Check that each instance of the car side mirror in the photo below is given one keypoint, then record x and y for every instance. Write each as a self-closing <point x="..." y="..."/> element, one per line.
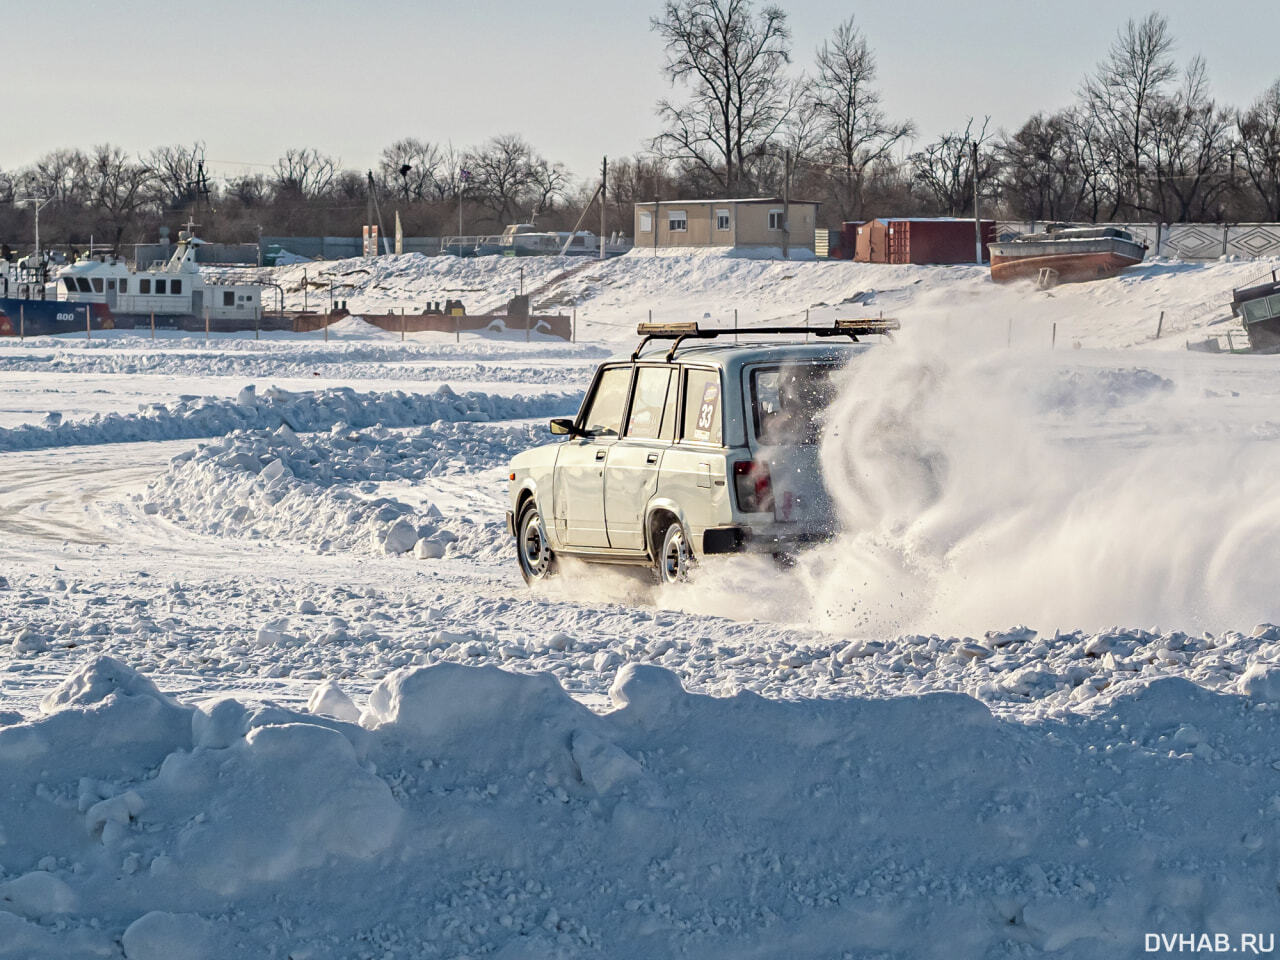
<point x="563" y="427"/>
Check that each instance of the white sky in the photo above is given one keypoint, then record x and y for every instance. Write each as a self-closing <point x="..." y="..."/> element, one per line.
<point x="577" y="79"/>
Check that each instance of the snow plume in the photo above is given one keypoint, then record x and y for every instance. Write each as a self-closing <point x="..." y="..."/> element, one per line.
<point x="979" y="485"/>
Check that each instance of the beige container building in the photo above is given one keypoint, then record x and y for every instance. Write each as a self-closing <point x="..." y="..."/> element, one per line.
<point x="755" y="223"/>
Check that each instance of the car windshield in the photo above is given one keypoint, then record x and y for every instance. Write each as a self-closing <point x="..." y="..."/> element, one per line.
<point x="789" y="402"/>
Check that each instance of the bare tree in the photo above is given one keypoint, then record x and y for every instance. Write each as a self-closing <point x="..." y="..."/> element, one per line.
<point x="1119" y="97"/>
<point x="249" y="190"/>
<point x="61" y="176"/>
<point x="411" y="169"/>
<point x="1190" y="144"/>
<point x="1046" y="176"/>
<point x="731" y="60"/>
<point x="304" y="173"/>
<point x="179" y="174"/>
<point x="119" y="188"/>
<point x="1259" y="144"/>
<point x="509" y="178"/>
<point x="944" y="170"/>
<point x="851" y="127"/>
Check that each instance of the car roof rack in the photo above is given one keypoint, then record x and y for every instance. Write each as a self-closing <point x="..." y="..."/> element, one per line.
<point x="689" y="330"/>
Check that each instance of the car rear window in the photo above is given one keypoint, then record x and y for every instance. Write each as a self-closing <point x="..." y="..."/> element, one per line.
<point x="789" y="402"/>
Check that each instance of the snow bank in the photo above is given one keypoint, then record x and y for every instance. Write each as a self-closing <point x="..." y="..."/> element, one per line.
<point x="485" y="813"/>
<point x="191" y="417"/>
<point x="296" y="363"/>
<point x="321" y="488"/>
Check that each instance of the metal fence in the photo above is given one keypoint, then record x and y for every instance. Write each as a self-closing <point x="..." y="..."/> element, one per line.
<point x="340" y="248"/>
<point x="1183" y="241"/>
<point x="145" y="254"/>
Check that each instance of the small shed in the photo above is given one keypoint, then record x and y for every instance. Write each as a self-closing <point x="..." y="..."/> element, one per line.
<point x="916" y="240"/>
<point x="759" y="223"/>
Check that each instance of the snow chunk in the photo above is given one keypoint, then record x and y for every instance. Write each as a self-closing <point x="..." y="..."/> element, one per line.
<point x="399" y="538"/>
<point x="37" y="895"/>
<point x="646" y="690"/>
<point x="218" y="725"/>
<point x="602" y="765"/>
<point x="329" y="699"/>
<point x="428" y="549"/>
<point x="96" y="681"/>
<point x="29" y="640"/>
<point x="173" y="936"/>
<point x="1261" y="682"/>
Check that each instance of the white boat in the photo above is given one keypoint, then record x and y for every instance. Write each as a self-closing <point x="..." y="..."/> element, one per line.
<point x="173" y="291"/>
<point x="526" y="240"/>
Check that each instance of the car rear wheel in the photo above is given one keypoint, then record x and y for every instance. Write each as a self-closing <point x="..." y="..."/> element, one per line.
<point x="533" y="552"/>
<point x="675" y="557"/>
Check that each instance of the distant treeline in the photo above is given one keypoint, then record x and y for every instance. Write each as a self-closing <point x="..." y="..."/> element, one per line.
<point x="1144" y="140"/>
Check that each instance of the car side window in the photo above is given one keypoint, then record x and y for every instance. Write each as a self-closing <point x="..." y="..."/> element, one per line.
<point x="603" y="417"/>
<point x="648" y="404"/>
<point x="703" y="421"/>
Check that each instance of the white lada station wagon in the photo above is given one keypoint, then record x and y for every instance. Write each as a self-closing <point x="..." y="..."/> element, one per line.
<point x="707" y="446"/>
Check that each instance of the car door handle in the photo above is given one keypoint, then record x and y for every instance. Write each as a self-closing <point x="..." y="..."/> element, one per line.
<point x="600" y="454"/>
<point x="651" y="458"/>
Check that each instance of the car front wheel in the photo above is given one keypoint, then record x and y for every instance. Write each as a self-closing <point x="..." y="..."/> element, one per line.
<point x="675" y="557"/>
<point x="533" y="552"/>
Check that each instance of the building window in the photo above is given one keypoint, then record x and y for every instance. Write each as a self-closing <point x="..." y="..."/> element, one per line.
<point x="144" y="286"/>
<point x="646" y="222"/>
<point x="175" y="286"/>
<point x="775" y="219"/>
<point x="160" y="285"/>
<point x="229" y="298"/>
<point x="722" y="219"/>
<point x="677" y="221"/>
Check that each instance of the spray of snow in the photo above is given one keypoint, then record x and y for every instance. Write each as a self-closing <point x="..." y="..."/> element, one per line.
<point x="978" y="485"/>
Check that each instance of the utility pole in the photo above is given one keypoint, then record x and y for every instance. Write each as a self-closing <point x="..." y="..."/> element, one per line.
<point x="464" y="176"/>
<point x="39" y="204"/>
<point x="786" y="201"/>
<point x="977" y="219"/>
<point x="604" y="198"/>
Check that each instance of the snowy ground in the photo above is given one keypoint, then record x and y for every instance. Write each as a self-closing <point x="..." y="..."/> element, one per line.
<point x="270" y="684"/>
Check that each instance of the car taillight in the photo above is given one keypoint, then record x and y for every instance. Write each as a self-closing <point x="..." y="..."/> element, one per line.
<point x="752" y="484"/>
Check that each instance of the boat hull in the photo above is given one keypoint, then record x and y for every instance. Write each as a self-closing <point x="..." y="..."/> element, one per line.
<point x="46" y="318"/>
<point x="1071" y="267"/>
<point x="50" y="318"/>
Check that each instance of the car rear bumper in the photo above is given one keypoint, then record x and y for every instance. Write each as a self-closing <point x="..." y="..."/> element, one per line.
<point x="745" y="540"/>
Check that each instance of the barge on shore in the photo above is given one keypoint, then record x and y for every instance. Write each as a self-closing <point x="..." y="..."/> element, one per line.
<point x="1067" y="255"/>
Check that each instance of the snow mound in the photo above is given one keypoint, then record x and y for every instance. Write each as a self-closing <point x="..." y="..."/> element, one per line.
<point x="485" y="813"/>
<point x="193" y="417"/>
<point x="321" y="488"/>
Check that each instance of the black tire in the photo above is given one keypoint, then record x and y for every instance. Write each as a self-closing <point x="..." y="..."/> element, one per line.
<point x="674" y="560"/>
<point x="533" y="553"/>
